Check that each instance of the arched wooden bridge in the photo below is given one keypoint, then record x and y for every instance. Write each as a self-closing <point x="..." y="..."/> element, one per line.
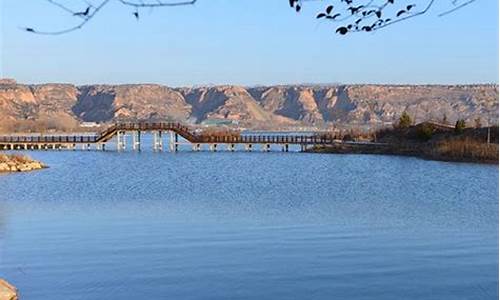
<point x="196" y="139"/>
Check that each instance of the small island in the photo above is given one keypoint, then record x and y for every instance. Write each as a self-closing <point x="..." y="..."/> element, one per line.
<point x="18" y="163"/>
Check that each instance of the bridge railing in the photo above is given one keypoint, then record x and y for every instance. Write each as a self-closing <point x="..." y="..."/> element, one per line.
<point x="152" y="126"/>
<point x="183" y="130"/>
<point x="49" y="139"/>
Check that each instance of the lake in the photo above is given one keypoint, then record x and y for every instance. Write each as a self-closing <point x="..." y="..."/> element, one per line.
<point x="108" y="225"/>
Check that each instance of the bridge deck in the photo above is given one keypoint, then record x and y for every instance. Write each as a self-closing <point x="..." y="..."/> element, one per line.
<point x="184" y="131"/>
<point x="39" y="141"/>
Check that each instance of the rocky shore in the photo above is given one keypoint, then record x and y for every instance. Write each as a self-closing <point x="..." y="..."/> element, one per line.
<point x="18" y="163"/>
<point x="7" y="291"/>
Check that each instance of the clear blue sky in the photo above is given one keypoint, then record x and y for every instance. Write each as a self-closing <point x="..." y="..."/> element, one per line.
<point x="245" y="42"/>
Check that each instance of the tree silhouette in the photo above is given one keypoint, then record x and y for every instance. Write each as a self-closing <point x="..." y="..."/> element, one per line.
<point x="348" y="15"/>
<point x="370" y="15"/>
<point x="460" y="126"/>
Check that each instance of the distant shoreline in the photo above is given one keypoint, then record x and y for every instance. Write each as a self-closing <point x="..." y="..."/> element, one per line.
<point x="402" y="150"/>
<point x="430" y="141"/>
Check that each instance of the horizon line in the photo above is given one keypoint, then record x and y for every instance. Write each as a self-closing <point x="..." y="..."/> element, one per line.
<point x="250" y="85"/>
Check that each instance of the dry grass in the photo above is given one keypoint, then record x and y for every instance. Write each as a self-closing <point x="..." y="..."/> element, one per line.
<point x="466" y="149"/>
<point x="430" y="143"/>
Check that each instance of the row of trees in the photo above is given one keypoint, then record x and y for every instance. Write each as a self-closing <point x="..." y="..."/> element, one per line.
<point x="405" y="121"/>
<point x="425" y="130"/>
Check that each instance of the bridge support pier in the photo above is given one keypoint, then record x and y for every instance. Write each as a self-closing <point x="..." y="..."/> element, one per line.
<point x="284" y="148"/>
<point x="171" y="142"/>
<point x="136" y="140"/>
<point x="213" y="147"/>
<point x="248" y="147"/>
<point x="196" y="147"/>
<point x="266" y="147"/>
<point x="120" y="140"/>
<point x="231" y="147"/>
<point x="174" y="142"/>
<point x="157" y="141"/>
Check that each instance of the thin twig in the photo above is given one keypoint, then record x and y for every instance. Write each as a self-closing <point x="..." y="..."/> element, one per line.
<point x="95" y="9"/>
<point x="80" y="25"/>
<point x="407" y="17"/>
<point x="456" y="8"/>
<point x="157" y="4"/>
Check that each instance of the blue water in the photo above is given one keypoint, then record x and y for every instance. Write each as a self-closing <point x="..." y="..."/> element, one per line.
<point x="249" y="226"/>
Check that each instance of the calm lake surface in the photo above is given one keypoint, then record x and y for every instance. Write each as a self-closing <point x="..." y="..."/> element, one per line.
<point x="249" y="226"/>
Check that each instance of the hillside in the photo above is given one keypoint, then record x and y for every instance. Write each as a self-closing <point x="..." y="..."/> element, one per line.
<point x="64" y="106"/>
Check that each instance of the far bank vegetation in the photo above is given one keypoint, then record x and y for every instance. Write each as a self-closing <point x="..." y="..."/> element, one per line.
<point x="58" y="123"/>
<point x="431" y="140"/>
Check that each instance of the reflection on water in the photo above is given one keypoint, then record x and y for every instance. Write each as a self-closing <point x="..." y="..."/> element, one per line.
<point x="249" y="225"/>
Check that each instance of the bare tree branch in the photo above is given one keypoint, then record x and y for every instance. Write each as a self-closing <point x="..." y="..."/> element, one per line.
<point x="351" y="15"/>
<point x="371" y="15"/>
<point x="91" y="10"/>
<point x="157" y="4"/>
<point x="456" y="8"/>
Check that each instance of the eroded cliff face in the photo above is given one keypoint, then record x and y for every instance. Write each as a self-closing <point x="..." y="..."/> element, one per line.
<point x="229" y="102"/>
<point x="276" y="106"/>
<point x="295" y="103"/>
<point x="386" y="103"/>
<point x="103" y="103"/>
<point x="49" y="104"/>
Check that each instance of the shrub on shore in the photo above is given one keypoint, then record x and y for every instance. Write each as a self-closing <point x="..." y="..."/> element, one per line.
<point x="460" y="126"/>
<point x="405" y="120"/>
<point x="425" y="131"/>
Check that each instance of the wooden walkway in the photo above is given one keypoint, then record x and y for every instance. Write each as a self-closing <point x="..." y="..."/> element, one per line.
<point x="118" y="131"/>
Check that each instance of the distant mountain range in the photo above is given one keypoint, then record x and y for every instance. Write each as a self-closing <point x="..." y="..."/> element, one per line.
<point x="265" y="107"/>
